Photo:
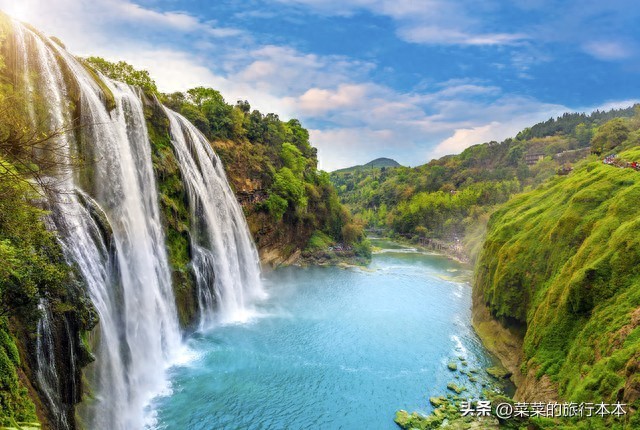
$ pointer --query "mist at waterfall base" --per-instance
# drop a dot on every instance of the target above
(333, 348)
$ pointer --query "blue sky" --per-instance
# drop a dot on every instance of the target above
(411, 80)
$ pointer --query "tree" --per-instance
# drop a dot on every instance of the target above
(27, 153)
(202, 95)
(351, 232)
(222, 122)
(583, 134)
(124, 72)
(276, 206)
(609, 136)
(292, 158)
(290, 188)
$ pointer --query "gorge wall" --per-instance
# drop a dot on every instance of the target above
(558, 274)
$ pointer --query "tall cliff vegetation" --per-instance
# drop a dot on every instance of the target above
(33, 270)
(562, 262)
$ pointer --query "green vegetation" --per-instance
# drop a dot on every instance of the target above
(559, 264)
(609, 136)
(498, 372)
(563, 261)
(273, 169)
(270, 164)
(451, 198)
(176, 218)
(579, 125)
(15, 403)
(374, 164)
(124, 72)
(455, 388)
(33, 266)
(446, 415)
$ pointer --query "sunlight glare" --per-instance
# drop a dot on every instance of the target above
(18, 10)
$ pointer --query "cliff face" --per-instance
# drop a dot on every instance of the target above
(45, 317)
(560, 271)
(175, 214)
(255, 172)
(250, 169)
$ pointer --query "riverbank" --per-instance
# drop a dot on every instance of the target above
(329, 256)
(507, 345)
(453, 250)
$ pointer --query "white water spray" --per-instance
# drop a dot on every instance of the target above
(225, 262)
(129, 282)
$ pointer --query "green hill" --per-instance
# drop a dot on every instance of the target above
(382, 162)
(374, 164)
(556, 294)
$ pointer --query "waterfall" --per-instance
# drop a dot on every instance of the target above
(225, 260)
(129, 279)
(23, 55)
(113, 234)
(46, 373)
(50, 82)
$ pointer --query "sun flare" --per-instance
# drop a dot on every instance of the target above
(19, 10)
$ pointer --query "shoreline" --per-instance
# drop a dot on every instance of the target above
(503, 343)
(443, 248)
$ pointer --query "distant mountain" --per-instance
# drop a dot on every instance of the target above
(382, 162)
(375, 164)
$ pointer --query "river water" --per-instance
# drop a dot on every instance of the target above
(333, 348)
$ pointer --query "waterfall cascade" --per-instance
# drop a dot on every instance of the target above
(46, 373)
(225, 259)
(126, 271)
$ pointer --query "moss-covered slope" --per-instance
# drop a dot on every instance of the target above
(563, 262)
(176, 218)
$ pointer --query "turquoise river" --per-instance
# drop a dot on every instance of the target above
(332, 348)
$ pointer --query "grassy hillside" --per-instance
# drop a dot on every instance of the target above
(564, 262)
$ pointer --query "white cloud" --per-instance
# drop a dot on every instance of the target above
(317, 101)
(344, 147)
(86, 26)
(608, 50)
(466, 137)
(353, 118)
(443, 36)
(136, 13)
(172, 70)
(426, 22)
(414, 128)
(127, 11)
(614, 104)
